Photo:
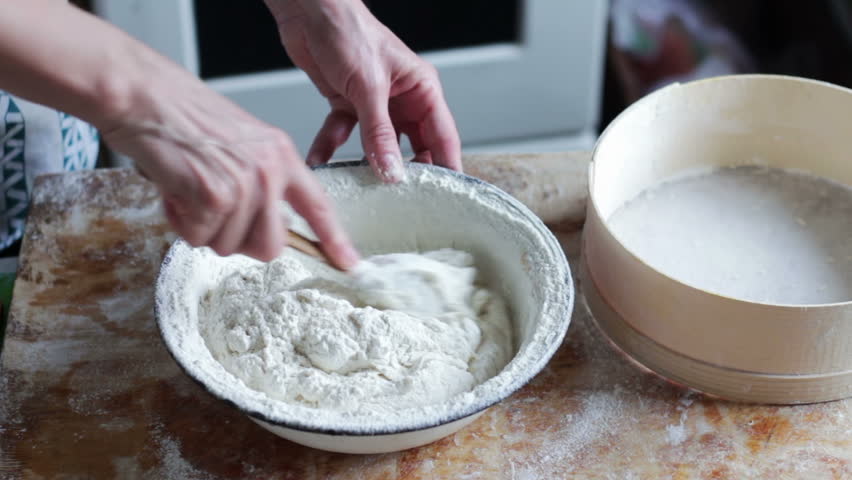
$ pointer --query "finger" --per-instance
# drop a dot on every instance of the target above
(379, 138)
(267, 234)
(197, 200)
(440, 136)
(333, 133)
(418, 146)
(171, 211)
(194, 223)
(235, 228)
(307, 197)
(423, 157)
(184, 188)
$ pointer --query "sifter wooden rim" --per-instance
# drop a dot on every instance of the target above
(719, 381)
(733, 348)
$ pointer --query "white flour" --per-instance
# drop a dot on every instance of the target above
(302, 333)
(755, 233)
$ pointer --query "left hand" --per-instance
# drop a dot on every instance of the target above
(221, 172)
(369, 76)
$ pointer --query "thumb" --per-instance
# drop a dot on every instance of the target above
(379, 139)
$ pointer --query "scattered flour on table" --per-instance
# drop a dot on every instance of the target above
(596, 421)
(403, 330)
(173, 464)
(170, 464)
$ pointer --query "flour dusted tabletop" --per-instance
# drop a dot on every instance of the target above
(87, 389)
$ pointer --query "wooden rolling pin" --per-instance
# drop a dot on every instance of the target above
(553, 185)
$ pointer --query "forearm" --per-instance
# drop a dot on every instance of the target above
(57, 55)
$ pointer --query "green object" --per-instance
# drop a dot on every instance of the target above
(644, 43)
(7, 284)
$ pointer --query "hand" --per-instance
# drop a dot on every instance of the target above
(369, 76)
(221, 172)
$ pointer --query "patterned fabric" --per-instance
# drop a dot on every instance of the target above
(13, 189)
(34, 140)
(80, 142)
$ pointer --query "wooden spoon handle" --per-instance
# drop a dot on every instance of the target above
(306, 246)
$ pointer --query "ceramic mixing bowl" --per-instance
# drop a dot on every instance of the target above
(436, 208)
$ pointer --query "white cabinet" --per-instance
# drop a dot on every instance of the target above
(539, 92)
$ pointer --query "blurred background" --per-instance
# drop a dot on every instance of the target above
(520, 75)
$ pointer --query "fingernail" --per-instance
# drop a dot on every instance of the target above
(391, 168)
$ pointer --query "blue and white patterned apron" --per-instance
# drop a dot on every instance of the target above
(35, 139)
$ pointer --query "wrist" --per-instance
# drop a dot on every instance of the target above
(109, 97)
(134, 88)
(315, 10)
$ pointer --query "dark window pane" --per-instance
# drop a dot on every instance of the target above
(438, 25)
(240, 37)
(237, 37)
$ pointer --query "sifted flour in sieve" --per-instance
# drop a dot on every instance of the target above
(755, 233)
(404, 330)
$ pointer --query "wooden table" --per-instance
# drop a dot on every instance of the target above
(87, 389)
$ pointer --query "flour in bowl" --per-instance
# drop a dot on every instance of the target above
(403, 330)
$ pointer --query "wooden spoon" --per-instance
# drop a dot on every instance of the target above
(308, 247)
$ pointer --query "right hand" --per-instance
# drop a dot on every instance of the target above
(370, 77)
(222, 172)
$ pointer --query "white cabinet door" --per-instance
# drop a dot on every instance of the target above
(546, 86)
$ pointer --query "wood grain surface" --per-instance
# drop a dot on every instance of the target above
(87, 389)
